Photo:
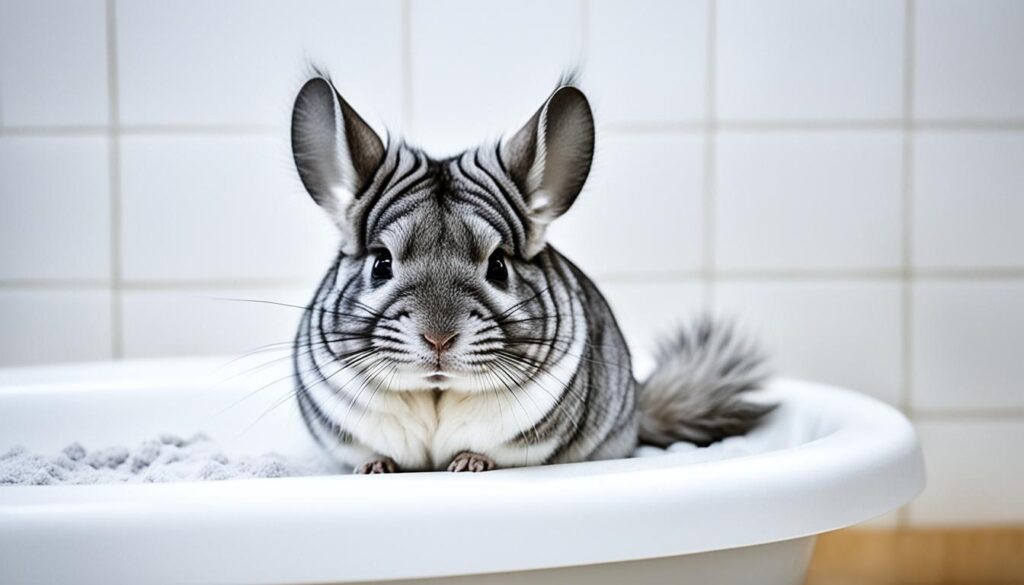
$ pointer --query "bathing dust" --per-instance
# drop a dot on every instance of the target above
(164, 459)
(170, 458)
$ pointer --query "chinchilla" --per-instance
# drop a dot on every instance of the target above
(448, 334)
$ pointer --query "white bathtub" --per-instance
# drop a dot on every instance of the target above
(836, 458)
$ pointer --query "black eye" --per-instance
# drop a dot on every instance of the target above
(382, 266)
(496, 269)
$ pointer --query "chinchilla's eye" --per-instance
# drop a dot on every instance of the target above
(496, 269)
(382, 266)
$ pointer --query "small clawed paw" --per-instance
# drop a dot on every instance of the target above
(468, 461)
(384, 465)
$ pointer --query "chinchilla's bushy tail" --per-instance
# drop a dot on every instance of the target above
(696, 392)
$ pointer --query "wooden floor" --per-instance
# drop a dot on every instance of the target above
(953, 556)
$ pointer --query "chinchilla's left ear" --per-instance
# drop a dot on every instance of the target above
(549, 159)
(336, 152)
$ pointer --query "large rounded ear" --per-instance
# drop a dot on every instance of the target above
(549, 159)
(336, 152)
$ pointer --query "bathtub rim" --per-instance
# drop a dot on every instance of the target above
(626, 514)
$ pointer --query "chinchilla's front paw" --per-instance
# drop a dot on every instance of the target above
(469, 461)
(382, 465)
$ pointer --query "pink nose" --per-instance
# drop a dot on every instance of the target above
(440, 341)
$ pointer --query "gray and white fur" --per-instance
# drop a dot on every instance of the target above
(448, 334)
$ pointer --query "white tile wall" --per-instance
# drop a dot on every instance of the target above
(648, 311)
(657, 49)
(42, 325)
(218, 63)
(845, 177)
(54, 208)
(968, 200)
(968, 345)
(642, 212)
(53, 55)
(846, 333)
(227, 320)
(809, 59)
(480, 69)
(969, 59)
(975, 472)
(809, 201)
(218, 207)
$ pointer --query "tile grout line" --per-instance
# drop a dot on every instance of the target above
(1, 100)
(908, 206)
(114, 154)
(968, 414)
(907, 296)
(619, 128)
(896, 275)
(149, 285)
(145, 129)
(56, 283)
(710, 186)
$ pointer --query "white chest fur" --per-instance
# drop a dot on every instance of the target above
(425, 430)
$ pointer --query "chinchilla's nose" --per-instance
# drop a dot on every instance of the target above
(440, 341)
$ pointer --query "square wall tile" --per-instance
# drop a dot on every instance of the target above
(647, 60)
(53, 62)
(813, 200)
(204, 321)
(642, 209)
(54, 208)
(480, 69)
(49, 325)
(846, 333)
(219, 207)
(648, 311)
(212, 62)
(967, 345)
(968, 200)
(969, 59)
(975, 472)
(809, 59)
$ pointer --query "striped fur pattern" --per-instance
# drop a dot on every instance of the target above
(447, 334)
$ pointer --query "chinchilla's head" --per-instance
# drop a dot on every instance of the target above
(443, 279)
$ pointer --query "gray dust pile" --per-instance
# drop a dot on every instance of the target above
(165, 459)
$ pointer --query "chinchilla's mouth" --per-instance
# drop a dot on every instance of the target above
(413, 378)
(448, 380)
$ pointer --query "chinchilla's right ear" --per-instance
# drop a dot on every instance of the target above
(336, 152)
